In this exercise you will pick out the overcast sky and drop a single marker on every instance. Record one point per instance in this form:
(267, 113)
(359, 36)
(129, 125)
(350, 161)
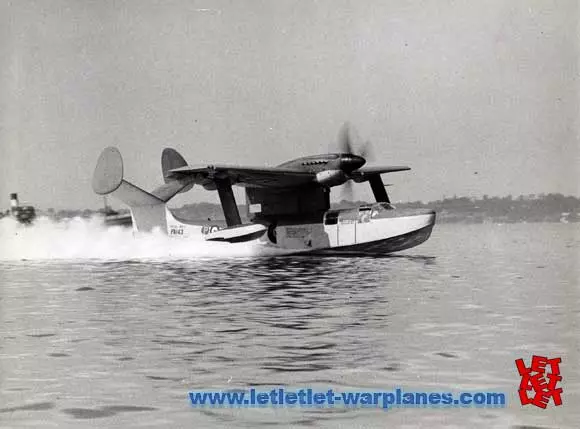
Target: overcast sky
(477, 97)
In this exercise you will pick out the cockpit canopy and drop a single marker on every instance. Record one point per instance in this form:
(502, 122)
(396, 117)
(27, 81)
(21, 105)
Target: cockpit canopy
(359, 214)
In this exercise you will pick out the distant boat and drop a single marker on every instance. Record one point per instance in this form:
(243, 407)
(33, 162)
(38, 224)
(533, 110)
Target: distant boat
(23, 214)
(114, 218)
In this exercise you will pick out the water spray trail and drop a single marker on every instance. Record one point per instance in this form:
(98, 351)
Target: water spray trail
(89, 239)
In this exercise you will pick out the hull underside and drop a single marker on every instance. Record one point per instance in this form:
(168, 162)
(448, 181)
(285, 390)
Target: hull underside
(381, 247)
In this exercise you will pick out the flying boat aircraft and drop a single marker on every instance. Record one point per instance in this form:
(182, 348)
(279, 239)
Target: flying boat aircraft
(288, 205)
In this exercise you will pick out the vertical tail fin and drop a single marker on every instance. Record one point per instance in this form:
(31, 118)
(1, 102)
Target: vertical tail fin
(147, 209)
(171, 159)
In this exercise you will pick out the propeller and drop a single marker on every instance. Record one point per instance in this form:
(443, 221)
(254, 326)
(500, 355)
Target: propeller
(352, 159)
(347, 191)
(347, 145)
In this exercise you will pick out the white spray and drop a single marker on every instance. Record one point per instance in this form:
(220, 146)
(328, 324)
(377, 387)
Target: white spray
(89, 239)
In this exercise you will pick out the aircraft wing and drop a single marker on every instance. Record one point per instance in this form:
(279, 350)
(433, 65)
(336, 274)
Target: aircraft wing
(267, 177)
(365, 173)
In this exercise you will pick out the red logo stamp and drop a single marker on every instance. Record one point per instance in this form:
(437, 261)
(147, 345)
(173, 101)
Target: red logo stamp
(542, 383)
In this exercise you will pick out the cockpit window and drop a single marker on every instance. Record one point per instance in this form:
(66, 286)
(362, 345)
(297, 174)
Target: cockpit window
(385, 206)
(331, 218)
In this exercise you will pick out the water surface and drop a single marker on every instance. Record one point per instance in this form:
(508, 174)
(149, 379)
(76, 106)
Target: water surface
(89, 342)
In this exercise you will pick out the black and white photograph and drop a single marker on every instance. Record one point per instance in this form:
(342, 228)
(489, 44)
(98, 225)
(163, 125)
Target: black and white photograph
(289, 214)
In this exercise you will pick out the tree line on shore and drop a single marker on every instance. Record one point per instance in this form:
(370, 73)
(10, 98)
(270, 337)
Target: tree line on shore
(524, 208)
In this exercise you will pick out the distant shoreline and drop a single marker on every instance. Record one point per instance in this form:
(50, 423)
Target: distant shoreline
(530, 208)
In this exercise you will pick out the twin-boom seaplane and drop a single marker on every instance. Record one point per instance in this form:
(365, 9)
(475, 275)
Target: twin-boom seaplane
(288, 205)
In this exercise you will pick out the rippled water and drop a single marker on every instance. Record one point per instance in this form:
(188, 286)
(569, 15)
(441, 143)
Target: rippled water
(97, 343)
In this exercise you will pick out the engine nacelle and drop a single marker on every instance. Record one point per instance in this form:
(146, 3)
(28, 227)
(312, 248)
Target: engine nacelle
(331, 177)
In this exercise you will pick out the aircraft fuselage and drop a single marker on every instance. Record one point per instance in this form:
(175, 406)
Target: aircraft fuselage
(369, 228)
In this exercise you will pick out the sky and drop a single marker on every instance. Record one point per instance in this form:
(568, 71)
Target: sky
(478, 98)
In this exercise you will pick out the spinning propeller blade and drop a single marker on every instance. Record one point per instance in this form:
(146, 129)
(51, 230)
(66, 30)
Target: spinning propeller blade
(366, 150)
(347, 190)
(344, 140)
(346, 143)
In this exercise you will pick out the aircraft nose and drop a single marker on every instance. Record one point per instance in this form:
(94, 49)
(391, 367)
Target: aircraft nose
(349, 162)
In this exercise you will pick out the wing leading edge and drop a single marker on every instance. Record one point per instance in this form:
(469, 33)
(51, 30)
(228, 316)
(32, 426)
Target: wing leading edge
(267, 177)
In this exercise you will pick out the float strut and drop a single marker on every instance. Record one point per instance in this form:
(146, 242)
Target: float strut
(228, 201)
(378, 188)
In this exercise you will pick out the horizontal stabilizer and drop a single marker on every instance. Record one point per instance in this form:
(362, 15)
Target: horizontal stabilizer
(170, 189)
(134, 196)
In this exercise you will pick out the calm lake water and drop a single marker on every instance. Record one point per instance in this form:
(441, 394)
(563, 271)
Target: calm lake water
(90, 342)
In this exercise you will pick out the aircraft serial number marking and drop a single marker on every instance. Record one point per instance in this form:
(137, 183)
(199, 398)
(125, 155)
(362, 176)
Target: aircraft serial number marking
(175, 230)
(208, 229)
